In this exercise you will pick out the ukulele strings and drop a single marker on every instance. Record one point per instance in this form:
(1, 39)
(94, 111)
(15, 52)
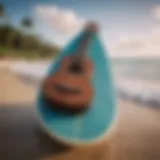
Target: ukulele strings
(79, 56)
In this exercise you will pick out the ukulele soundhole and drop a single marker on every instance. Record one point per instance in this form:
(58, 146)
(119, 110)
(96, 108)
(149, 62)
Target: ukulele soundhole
(76, 69)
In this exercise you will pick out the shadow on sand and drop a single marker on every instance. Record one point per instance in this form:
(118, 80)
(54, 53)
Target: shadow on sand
(21, 136)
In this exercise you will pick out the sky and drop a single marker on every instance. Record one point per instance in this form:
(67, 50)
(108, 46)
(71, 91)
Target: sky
(128, 28)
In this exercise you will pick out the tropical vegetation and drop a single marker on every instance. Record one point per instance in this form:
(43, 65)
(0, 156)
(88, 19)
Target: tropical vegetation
(19, 42)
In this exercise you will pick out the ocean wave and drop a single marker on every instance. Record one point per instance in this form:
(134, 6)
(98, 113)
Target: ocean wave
(145, 94)
(36, 70)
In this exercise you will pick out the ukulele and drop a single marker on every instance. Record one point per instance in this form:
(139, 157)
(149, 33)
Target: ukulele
(70, 87)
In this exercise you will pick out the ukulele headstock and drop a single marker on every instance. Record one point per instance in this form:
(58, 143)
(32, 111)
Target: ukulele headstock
(92, 27)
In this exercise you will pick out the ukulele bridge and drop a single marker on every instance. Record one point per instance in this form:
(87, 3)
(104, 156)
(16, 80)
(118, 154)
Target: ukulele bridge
(63, 88)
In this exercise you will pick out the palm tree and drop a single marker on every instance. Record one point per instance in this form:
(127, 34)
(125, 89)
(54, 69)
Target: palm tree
(27, 22)
(2, 19)
(5, 19)
(27, 25)
(1, 10)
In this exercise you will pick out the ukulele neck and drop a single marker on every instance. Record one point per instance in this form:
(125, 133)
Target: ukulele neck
(82, 51)
(79, 56)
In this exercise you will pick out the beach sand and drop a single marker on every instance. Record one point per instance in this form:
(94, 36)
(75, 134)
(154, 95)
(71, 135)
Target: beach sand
(136, 135)
(12, 90)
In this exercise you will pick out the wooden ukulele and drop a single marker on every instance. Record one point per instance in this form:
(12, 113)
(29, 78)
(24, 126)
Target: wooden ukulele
(71, 86)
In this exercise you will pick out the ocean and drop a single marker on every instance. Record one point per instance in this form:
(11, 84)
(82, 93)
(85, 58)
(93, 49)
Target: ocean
(135, 79)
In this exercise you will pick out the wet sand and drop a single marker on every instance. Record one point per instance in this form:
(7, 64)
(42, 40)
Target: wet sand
(136, 136)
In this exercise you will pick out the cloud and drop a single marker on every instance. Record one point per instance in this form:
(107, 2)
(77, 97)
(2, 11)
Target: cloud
(142, 44)
(62, 20)
(139, 45)
(156, 12)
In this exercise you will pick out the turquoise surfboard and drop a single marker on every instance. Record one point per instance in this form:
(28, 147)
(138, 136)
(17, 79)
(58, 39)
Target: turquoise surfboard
(98, 121)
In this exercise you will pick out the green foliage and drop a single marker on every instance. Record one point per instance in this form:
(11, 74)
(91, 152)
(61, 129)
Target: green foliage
(15, 44)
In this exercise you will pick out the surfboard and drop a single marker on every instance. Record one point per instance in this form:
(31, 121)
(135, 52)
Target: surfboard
(98, 121)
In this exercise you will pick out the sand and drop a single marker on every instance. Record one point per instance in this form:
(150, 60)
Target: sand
(136, 135)
(12, 90)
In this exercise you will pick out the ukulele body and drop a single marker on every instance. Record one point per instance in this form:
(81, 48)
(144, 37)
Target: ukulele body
(69, 87)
